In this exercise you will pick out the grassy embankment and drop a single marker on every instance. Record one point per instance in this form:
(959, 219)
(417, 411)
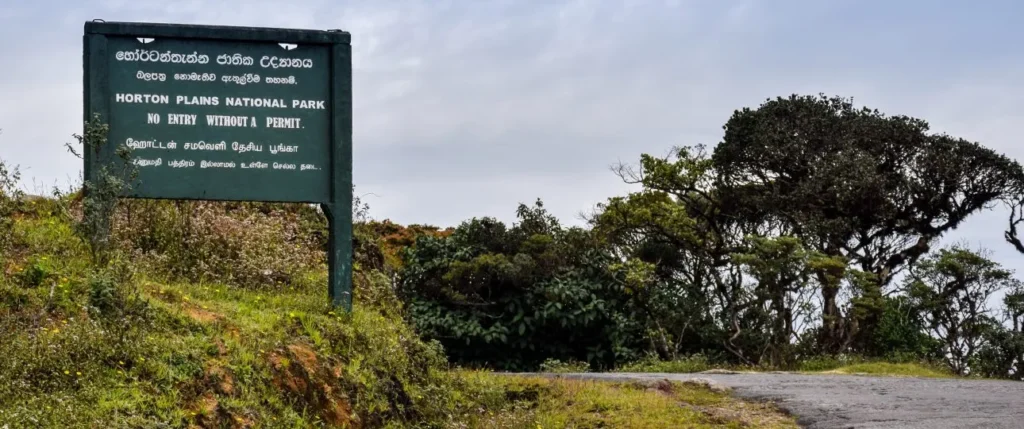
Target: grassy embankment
(143, 343)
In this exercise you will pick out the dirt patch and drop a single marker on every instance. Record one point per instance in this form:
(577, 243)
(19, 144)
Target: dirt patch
(742, 413)
(728, 411)
(663, 387)
(201, 315)
(220, 379)
(222, 350)
(313, 381)
(209, 414)
(207, 407)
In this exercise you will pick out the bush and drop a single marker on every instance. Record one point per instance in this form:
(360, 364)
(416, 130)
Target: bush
(512, 297)
(244, 244)
(1002, 356)
(901, 332)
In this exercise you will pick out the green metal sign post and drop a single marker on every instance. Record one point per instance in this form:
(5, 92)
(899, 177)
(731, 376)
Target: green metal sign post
(230, 114)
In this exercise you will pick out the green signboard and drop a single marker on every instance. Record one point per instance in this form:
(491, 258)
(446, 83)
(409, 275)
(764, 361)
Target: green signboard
(230, 114)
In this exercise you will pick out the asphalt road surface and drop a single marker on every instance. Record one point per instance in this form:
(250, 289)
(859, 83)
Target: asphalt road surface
(853, 401)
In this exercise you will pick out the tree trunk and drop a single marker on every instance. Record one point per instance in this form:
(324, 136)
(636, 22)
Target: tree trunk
(831, 337)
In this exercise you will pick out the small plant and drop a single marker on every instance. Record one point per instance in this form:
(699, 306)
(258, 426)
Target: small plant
(104, 298)
(118, 305)
(11, 199)
(102, 190)
(37, 271)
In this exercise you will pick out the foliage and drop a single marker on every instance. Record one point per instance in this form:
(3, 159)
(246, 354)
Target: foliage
(108, 348)
(253, 245)
(834, 172)
(895, 365)
(676, 251)
(854, 183)
(391, 239)
(11, 199)
(781, 268)
(902, 331)
(112, 176)
(951, 289)
(118, 306)
(1002, 355)
(779, 246)
(513, 297)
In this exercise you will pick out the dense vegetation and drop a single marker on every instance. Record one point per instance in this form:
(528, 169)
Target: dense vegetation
(134, 313)
(807, 233)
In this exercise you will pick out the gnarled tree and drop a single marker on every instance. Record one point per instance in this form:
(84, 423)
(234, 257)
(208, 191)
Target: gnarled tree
(853, 183)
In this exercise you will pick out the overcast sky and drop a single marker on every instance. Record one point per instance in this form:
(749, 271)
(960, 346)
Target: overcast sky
(466, 108)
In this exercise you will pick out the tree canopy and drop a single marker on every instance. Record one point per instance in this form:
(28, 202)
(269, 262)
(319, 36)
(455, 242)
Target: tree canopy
(780, 243)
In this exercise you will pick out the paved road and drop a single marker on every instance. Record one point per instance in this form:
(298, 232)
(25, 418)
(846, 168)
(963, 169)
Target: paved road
(853, 401)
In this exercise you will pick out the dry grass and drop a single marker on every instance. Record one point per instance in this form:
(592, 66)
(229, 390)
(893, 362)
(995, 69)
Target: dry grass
(890, 369)
(568, 403)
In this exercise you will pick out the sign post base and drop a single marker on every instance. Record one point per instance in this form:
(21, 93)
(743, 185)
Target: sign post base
(339, 258)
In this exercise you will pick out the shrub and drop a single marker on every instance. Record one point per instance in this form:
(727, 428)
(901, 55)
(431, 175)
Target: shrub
(11, 198)
(901, 332)
(512, 297)
(244, 244)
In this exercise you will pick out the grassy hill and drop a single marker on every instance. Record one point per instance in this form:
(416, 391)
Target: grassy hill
(215, 315)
